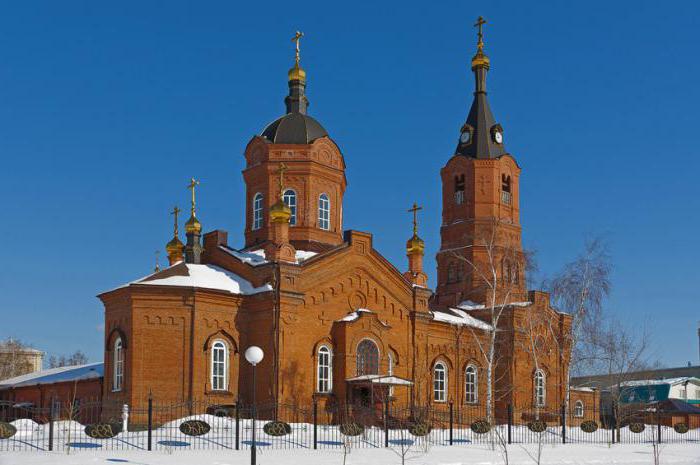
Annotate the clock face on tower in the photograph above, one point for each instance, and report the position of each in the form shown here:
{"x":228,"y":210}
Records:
{"x":498,"y":137}
{"x":464,"y":137}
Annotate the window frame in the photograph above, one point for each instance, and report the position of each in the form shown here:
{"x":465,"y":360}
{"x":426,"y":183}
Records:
{"x":218,"y":346}
{"x":324,"y":384}
{"x":540,"y":398}
{"x":361,"y":368}
{"x":292,"y":195}
{"x":324,"y":212}
{"x":578,"y":409}
{"x":118,"y":365}
{"x":258,"y":208}
{"x":474,"y":397}
{"x":440,"y":393}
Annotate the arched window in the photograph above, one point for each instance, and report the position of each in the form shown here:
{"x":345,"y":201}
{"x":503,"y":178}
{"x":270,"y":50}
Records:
{"x":390,"y":372}
{"x":324,"y":212}
{"x":219,"y":366}
{"x":440,"y":382}
{"x":257,"y":211}
{"x":506,"y":195}
{"x":367,"y":358}
{"x":459,"y":189}
{"x":471,"y":386}
{"x":290,"y":199}
{"x":578,"y":409}
{"x":118,"y":368}
{"x":325,"y":370}
{"x":540,"y":389}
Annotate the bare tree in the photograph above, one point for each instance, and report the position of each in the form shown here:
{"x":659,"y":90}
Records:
{"x":14,"y":359}
{"x":76,"y":358}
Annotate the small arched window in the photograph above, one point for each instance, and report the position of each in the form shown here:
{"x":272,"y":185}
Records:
{"x":219,"y":366}
{"x":578,"y":409}
{"x":257,"y":211}
{"x":290,"y":199}
{"x":440,"y":382}
{"x":540,"y":389}
{"x":367,"y":358}
{"x":324,"y":370}
{"x":118,"y":368}
{"x":506,"y":194}
{"x":459,"y":189}
{"x":471,"y":387}
{"x":324,"y":212}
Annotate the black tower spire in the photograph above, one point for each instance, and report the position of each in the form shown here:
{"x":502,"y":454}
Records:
{"x":481,"y":136}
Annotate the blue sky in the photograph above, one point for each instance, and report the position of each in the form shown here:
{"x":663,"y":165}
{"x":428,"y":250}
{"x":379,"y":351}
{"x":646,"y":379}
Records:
{"x":107,"y":109}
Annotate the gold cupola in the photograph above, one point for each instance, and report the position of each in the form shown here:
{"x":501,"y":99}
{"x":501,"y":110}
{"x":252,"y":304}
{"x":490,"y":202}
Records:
{"x":279,"y":211}
{"x":175,"y":248}
{"x":296,"y":73}
{"x":415,"y":244}
{"x":193,"y":226}
{"x":480,"y":60}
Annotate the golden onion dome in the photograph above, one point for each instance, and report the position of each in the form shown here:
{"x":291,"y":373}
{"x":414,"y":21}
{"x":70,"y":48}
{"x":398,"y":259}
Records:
{"x":174,"y":246}
{"x":480,"y":60}
{"x":296,"y":73}
{"x":280,"y":212}
{"x":193,"y":225}
{"x":415,"y":244}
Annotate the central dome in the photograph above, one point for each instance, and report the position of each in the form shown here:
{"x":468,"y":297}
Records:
{"x":294,"y":128}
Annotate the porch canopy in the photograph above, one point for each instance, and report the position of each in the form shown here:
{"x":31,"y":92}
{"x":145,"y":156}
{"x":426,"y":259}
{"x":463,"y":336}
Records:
{"x":380,"y":380}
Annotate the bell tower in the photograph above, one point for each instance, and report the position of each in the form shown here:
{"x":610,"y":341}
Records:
{"x":480,"y":257}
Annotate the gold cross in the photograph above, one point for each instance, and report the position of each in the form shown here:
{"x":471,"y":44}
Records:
{"x":282,"y":170}
{"x":479,"y":23}
{"x":176,"y":211}
{"x":193,"y":184}
{"x":297,"y":38}
{"x":415,"y":216}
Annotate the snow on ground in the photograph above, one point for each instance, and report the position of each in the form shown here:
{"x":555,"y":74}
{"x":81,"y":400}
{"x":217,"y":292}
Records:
{"x":570,"y":454}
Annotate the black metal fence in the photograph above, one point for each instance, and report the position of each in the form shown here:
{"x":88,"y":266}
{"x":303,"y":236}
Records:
{"x":155,"y":425}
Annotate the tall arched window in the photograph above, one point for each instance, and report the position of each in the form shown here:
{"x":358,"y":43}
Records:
{"x":290,"y":199}
{"x":325,"y":370}
{"x":578,"y":409}
{"x":440,"y":382}
{"x":471,"y":386}
{"x":118,"y":368}
{"x":257,"y":211}
{"x":540,"y":389}
{"x":367,"y":358}
{"x":390,"y":372}
{"x":219,"y":366}
{"x":324,"y":212}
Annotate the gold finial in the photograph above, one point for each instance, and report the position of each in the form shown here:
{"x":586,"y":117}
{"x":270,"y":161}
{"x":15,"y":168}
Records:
{"x":480,"y":59}
{"x":296,"y":73}
{"x":176,"y":212}
{"x":192,"y":186}
{"x":282,"y":170}
{"x":297,"y":38}
{"x":415,"y":210}
{"x":415,"y":243}
{"x":279,"y":211}
{"x":193,"y":225}
{"x":157,"y":267}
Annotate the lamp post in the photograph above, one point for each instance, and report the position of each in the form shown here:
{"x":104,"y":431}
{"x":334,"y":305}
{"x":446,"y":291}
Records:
{"x":254,"y":355}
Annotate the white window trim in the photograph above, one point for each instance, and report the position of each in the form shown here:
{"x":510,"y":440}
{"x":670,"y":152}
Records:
{"x":321,"y":220}
{"x":258,"y":211}
{"x":329,"y":381}
{"x":540,"y":373}
{"x":224,"y":378}
{"x":292,"y":207}
{"x":476,"y":384}
{"x":443,"y":391}
{"x":118,"y":365}
{"x":578,"y":404}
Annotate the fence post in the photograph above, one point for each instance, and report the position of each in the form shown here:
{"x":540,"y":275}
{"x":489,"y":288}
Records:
{"x":315,"y":424}
{"x":563,"y":424}
{"x":658,"y":424}
{"x":451,"y":420}
{"x":510,"y":422}
{"x":386,"y":423}
{"x":51,"y":418}
{"x":613,"y":425}
{"x":150,"y":421}
{"x":238,"y":426}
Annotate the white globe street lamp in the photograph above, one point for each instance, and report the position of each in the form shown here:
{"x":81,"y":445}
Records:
{"x":254,"y":355}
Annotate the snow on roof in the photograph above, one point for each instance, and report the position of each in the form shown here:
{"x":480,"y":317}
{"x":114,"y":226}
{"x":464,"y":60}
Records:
{"x":352,"y":316}
{"x":205,"y":277}
{"x":460,"y":318}
{"x":656,"y":382}
{"x":257,"y":257}
{"x":582,"y":388}
{"x":469,"y":305}
{"x":382,"y":379}
{"x":56,"y":375}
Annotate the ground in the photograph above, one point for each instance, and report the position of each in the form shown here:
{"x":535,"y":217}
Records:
{"x":676,"y":454}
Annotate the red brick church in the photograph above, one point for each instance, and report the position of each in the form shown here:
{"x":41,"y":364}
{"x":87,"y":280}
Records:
{"x":337,"y":321}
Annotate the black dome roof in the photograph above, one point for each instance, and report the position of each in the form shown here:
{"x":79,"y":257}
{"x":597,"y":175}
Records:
{"x":294,"y":128}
